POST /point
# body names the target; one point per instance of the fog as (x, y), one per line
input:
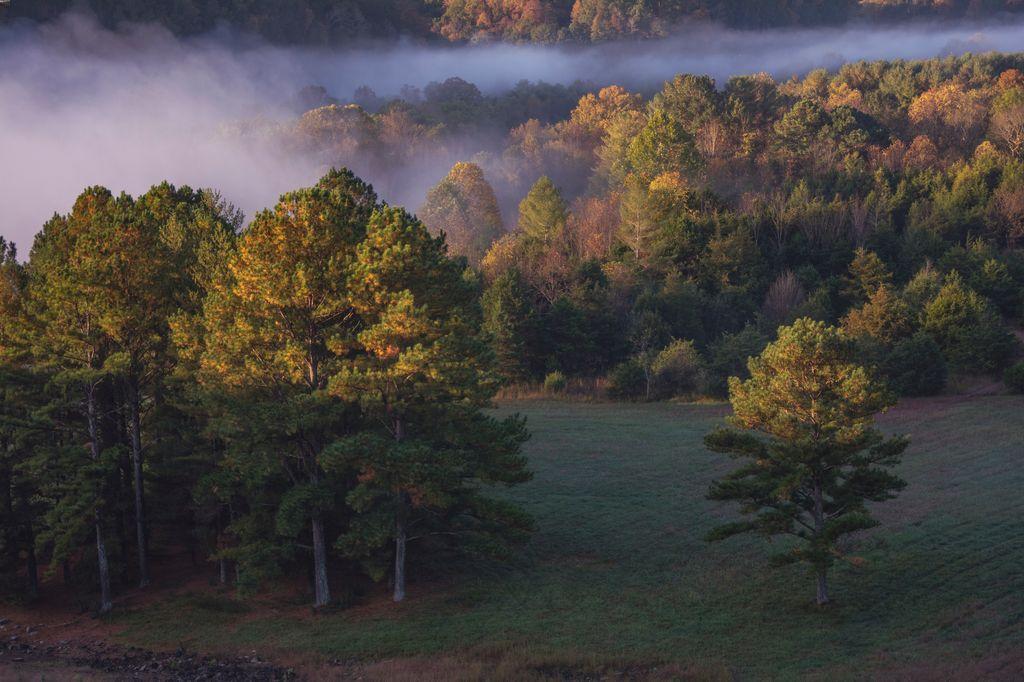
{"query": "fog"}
(80, 105)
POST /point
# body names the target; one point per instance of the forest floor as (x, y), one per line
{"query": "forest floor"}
(618, 582)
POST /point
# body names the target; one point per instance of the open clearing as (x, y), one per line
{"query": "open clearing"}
(618, 579)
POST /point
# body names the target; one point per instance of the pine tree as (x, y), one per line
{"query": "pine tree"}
(805, 421)
(867, 274)
(422, 374)
(543, 213)
(66, 338)
(277, 324)
(509, 322)
(20, 432)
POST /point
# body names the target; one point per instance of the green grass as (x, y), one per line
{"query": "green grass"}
(618, 574)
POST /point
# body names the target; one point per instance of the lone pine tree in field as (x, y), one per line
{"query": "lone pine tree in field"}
(804, 420)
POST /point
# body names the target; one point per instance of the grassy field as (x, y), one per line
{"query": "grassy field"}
(618, 578)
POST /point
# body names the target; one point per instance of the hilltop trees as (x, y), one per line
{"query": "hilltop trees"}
(804, 420)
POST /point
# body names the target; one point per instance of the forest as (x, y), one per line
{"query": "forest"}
(332, 22)
(326, 398)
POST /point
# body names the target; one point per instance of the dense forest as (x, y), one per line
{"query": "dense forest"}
(686, 227)
(307, 391)
(340, 21)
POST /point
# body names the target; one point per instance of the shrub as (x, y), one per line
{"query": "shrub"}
(627, 381)
(554, 382)
(678, 370)
(729, 356)
(1014, 377)
(967, 328)
(916, 366)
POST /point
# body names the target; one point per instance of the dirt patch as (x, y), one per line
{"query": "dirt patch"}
(26, 654)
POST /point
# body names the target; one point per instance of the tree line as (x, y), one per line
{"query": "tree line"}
(307, 391)
(656, 244)
(337, 22)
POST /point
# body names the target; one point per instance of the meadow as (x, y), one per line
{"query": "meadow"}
(619, 580)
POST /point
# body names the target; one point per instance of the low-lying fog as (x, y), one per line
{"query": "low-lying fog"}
(82, 106)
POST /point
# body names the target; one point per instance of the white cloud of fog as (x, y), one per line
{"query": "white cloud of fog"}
(82, 106)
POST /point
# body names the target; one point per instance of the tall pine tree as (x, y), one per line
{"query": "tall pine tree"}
(805, 421)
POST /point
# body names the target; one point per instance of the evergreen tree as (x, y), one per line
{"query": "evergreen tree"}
(967, 328)
(64, 309)
(663, 146)
(543, 213)
(867, 273)
(805, 420)
(20, 433)
(509, 322)
(277, 324)
(422, 374)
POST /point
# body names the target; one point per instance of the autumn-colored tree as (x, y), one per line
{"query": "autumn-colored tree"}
(1008, 120)
(511, 20)
(600, 20)
(805, 421)
(884, 319)
(952, 112)
(464, 208)
(595, 112)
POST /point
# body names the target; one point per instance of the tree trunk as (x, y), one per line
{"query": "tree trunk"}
(822, 587)
(101, 548)
(819, 527)
(104, 568)
(401, 530)
(400, 541)
(321, 587)
(31, 565)
(135, 427)
(223, 571)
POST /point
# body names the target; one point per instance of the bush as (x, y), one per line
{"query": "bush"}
(678, 370)
(729, 356)
(916, 366)
(554, 382)
(967, 328)
(627, 381)
(1014, 377)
